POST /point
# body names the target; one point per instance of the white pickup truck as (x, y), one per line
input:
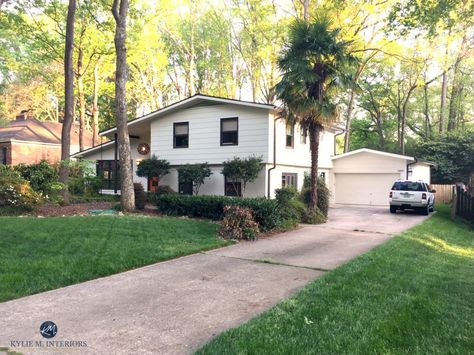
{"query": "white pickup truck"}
(416, 195)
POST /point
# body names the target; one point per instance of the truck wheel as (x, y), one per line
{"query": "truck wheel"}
(393, 209)
(425, 210)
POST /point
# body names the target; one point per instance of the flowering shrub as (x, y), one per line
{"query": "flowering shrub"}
(238, 223)
(16, 192)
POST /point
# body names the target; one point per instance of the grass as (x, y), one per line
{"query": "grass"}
(411, 295)
(39, 254)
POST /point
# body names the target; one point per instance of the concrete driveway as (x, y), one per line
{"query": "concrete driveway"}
(175, 306)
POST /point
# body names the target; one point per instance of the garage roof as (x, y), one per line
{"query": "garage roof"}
(377, 152)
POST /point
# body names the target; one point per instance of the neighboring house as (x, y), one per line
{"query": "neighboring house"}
(212, 129)
(27, 140)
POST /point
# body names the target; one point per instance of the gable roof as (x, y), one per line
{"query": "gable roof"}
(195, 100)
(32, 130)
(372, 151)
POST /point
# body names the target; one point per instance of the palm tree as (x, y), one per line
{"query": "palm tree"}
(315, 64)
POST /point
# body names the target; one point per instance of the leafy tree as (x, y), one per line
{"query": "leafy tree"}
(454, 155)
(245, 170)
(315, 65)
(194, 173)
(153, 167)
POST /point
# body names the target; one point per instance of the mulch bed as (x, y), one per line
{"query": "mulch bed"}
(81, 209)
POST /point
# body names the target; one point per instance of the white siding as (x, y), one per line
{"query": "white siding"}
(204, 134)
(300, 154)
(420, 171)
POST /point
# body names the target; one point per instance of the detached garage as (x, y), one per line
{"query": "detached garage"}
(365, 176)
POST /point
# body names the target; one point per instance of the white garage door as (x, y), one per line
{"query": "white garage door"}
(364, 189)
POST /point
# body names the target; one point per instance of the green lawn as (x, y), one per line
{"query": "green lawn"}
(39, 254)
(412, 295)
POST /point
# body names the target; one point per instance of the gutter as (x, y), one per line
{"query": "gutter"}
(274, 158)
(409, 164)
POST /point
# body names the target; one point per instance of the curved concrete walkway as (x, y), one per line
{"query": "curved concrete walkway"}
(175, 306)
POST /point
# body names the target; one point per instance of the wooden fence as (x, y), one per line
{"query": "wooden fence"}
(463, 205)
(444, 193)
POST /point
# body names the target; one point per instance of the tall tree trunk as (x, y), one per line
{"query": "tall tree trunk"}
(95, 105)
(378, 122)
(82, 99)
(444, 93)
(69, 100)
(314, 130)
(347, 135)
(127, 197)
(456, 89)
(427, 113)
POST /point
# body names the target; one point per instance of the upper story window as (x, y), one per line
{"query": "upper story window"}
(303, 135)
(290, 135)
(229, 131)
(181, 135)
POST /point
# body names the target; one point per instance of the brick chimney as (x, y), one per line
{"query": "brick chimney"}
(22, 116)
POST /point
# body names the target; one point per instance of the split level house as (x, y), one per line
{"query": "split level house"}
(211, 129)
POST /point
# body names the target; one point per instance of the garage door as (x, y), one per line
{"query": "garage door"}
(364, 189)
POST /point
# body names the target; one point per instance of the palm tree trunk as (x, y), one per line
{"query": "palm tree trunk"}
(127, 194)
(69, 100)
(314, 130)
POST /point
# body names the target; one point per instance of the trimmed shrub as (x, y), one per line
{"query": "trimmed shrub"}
(140, 196)
(290, 207)
(323, 194)
(238, 223)
(265, 211)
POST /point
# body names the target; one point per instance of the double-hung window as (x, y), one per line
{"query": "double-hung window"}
(290, 135)
(289, 180)
(181, 135)
(230, 131)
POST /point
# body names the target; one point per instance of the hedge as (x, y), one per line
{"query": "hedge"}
(265, 211)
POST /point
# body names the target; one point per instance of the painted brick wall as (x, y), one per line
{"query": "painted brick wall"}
(29, 153)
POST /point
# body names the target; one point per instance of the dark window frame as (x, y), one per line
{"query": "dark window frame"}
(292, 137)
(181, 135)
(108, 184)
(185, 188)
(237, 193)
(222, 132)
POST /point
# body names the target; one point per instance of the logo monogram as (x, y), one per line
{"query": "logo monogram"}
(48, 329)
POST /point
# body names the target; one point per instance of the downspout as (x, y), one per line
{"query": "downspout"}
(409, 164)
(274, 157)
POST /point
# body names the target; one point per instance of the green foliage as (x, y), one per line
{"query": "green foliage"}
(43, 177)
(82, 178)
(323, 194)
(16, 194)
(291, 209)
(195, 173)
(153, 167)
(238, 223)
(140, 196)
(246, 169)
(265, 211)
(454, 155)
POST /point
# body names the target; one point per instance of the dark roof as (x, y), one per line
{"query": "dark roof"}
(32, 130)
